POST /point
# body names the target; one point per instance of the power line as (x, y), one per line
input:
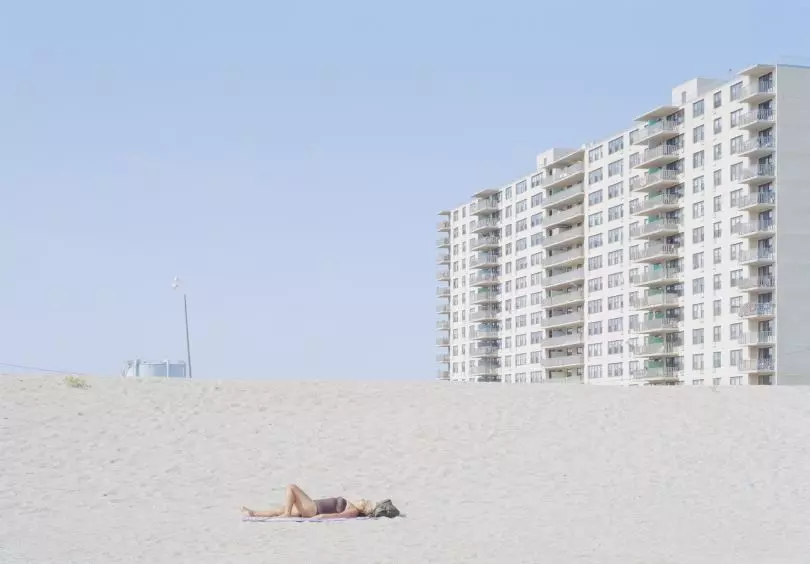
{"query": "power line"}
(38, 369)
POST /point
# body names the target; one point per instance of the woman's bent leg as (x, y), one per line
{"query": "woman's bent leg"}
(298, 502)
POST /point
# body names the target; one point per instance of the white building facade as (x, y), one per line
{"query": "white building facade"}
(675, 252)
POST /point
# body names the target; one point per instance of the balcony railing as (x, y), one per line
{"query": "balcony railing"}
(482, 259)
(484, 333)
(659, 349)
(484, 351)
(443, 341)
(660, 152)
(563, 341)
(657, 202)
(561, 236)
(655, 227)
(753, 227)
(561, 361)
(443, 375)
(484, 205)
(484, 297)
(756, 144)
(558, 320)
(487, 223)
(482, 242)
(485, 370)
(443, 226)
(565, 215)
(762, 338)
(565, 277)
(758, 88)
(566, 298)
(442, 325)
(484, 315)
(563, 195)
(657, 275)
(654, 251)
(658, 324)
(755, 309)
(443, 274)
(661, 373)
(559, 258)
(443, 259)
(442, 309)
(442, 292)
(664, 299)
(757, 365)
(562, 174)
(485, 277)
(754, 116)
(758, 199)
(657, 128)
(765, 170)
(443, 242)
(755, 255)
(656, 178)
(443, 357)
(757, 283)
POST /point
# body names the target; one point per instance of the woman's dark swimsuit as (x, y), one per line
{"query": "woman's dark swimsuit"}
(330, 505)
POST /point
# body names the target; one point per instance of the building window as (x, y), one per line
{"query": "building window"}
(734, 91)
(595, 176)
(615, 190)
(718, 99)
(697, 108)
(615, 145)
(697, 160)
(595, 154)
(595, 197)
(697, 134)
(615, 168)
(717, 125)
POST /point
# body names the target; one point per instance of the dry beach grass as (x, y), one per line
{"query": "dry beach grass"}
(156, 470)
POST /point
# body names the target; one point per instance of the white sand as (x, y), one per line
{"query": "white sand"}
(155, 471)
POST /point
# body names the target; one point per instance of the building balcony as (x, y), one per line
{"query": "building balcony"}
(566, 320)
(759, 311)
(486, 225)
(564, 341)
(756, 257)
(565, 197)
(564, 177)
(759, 174)
(485, 314)
(658, 374)
(564, 278)
(442, 292)
(660, 180)
(570, 216)
(484, 351)
(658, 277)
(656, 252)
(484, 333)
(658, 325)
(443, 259)
(658, 132)
(485, 297)
(757, 120)
(484, 206)
(757, 147)
(760, 201)
(493, 370)
(485, 243)
(757, 339)
(564, 299)
(443, 325)
(443, 375)
(484, 278)
(757, 284)
(659, 350)
(443, 275)
(564, 237)
(443, 342)
(663, 300)
(443, 309)
(757, 365)
(657, 204)
(660, 156)
(443, 357)
(562, 362)
(754, 229)
(655, 229)
(564, 258)
(443, 226)
(443, 242)
(757, 93)
(484, 260)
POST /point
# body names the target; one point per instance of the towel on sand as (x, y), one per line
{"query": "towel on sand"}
(301, 519)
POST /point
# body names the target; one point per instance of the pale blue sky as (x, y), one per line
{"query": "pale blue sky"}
(287, 160)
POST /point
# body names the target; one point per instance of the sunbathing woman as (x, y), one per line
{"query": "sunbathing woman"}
(299, 504)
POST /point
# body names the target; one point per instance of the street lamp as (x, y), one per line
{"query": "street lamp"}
(175, 286)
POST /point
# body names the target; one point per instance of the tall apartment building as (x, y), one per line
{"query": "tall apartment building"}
(677, 251)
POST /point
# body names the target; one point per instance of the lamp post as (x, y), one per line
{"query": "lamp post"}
(175, 286)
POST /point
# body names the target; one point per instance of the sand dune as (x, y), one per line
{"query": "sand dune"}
(156, 470)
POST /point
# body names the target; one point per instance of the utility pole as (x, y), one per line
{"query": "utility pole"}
(175, 286)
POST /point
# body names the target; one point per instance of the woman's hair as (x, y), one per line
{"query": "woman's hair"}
(366, 507)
